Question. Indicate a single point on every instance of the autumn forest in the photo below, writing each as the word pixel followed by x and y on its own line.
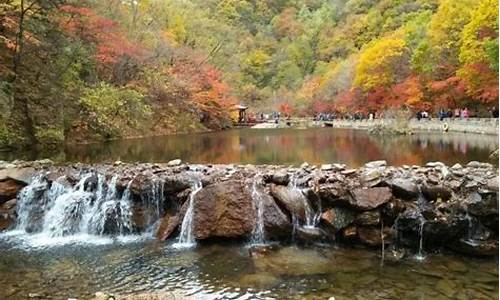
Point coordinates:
pixel 79 71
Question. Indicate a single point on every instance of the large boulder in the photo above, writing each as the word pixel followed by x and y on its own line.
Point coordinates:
pixel 223 209
pixel 23 175
pixel 276 222
pixel 9 189
pixel 370 198
pixel 291 199
pixel 168 224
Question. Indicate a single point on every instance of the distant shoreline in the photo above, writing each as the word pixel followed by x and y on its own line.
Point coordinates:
pixel 487 126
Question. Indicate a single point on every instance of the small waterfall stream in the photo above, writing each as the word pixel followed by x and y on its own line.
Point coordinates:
pixel 258 233
pixel 311 217
pixel 154 199
pixel 420 255
pixel 186 238
pixel 420 206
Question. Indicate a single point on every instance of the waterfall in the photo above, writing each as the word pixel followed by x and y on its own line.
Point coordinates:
pixel 420 255
pixel 383 241
pixel 296 225
pixel 56 210
pixel 154 202
pixel 258 233
pixel 420 206
pixel 186 239
pixel 312 218
pixel 27 202
pixel 113 213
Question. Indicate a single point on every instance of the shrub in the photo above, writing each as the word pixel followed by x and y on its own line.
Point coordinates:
pixel 111 108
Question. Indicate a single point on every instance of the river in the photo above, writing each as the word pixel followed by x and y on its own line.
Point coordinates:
pixel 77 266
pixel 80 267
pixel 281 146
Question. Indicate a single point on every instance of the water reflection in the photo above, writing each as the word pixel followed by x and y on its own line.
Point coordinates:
pixel 285 146
pixel 227 271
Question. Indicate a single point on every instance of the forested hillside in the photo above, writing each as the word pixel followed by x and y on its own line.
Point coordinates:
pixel 80 71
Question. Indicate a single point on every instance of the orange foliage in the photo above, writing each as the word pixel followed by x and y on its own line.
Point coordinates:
pixel 409 93
pixel 285 108
pixel 111 43
pixel 319 106
pixel 203 86
pixel 448 93
pixel 481 82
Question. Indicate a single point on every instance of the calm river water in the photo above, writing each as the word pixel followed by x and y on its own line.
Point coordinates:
pixel 283 146
pixel 78 270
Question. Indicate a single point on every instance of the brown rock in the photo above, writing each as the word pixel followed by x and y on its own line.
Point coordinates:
pixel 492 184
pixel 332 191
pixel 370 235
pixel 393 209
pixel 22 175
pixel 168 224
pixel 223 209
pixel 368 218
pixel 338 218
pixel 290 199
pixel 9 189
pixel 404 188
pixel 276 222
pixel 8 205
pixel 350 232
pixel 433 192
pixel 370 198
pixel 310 234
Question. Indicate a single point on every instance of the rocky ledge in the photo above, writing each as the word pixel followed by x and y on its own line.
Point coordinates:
pixel 433 207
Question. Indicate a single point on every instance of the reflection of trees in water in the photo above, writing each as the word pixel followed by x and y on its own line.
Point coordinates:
pixel 291 146
pixel 424 147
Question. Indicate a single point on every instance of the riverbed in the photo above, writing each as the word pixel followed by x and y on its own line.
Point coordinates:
pixel 55 270
pixel 282 146
pixel 40 266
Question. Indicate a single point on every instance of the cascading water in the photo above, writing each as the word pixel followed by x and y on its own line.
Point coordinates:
pixel 113 214
pixel 420 206
pixel 54 210
pixel 186 238
pixel 258 233
pixel 420 255
pixel 312 218
pixel 30 200
pixel 154 199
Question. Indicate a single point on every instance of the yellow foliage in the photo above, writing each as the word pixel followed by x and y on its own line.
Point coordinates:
pixel 446 26
pixel 379 62
pixel 482 27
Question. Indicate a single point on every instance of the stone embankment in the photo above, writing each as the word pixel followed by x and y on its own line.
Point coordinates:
pixel 473 125
pixel 429 207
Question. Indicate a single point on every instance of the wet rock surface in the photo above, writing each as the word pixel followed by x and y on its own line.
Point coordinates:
pixel 434 205
pixel 223 210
